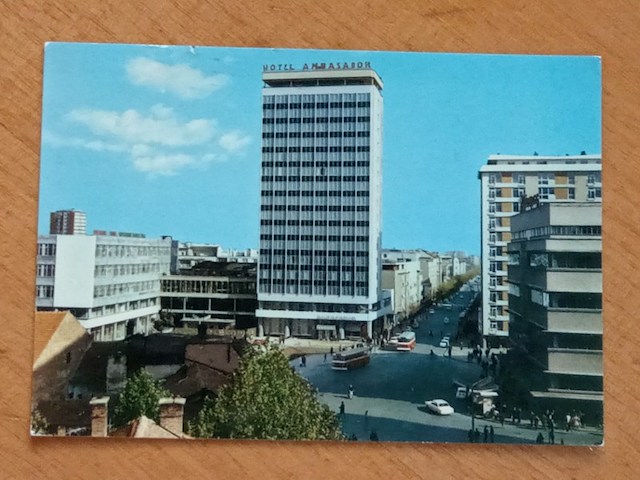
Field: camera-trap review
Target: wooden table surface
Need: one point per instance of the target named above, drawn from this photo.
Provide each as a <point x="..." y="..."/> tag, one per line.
<point x="607" y="28"/>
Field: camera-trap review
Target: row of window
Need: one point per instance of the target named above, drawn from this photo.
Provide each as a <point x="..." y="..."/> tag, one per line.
<point x="129" y="269"/>
<point x="298" y="105"/>
<point x="207" y="286"/>
<point x="315" y="290"/>
<point x="336" y="134"/>
<point x="544" y="178"/>
<point x="44" y="291"/>
<point x="326" y="268"/>
<point x="315" y="193"/>
<point x="317" y="238"/>
<point x="331" y="223"/>
<point x="315" y="253"/>
<point x="577" y="260"/>
<point x="122" y="307"/>
<point x="572" y="300"/>
<point x="131" y="251"/>
<point x="317" y="164"/>
<point x="309" y="120"/>
<point x="312" y="178"/>
<point x="47" y="249"/>
<point x="315" y="307"/>
<point x="330" y="208"/>
<point x="331" y="283"/>
<point x="126" y="288"/>
<point x="43" y="270"/>
<point x="575" y="230"/>
<point x="362" y="148"/>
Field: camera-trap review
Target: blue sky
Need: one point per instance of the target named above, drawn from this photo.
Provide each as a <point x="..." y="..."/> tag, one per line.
<point x="166" y="140"/>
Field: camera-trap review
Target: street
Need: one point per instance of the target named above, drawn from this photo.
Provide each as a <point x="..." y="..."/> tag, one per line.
<point x="390" y="392"/>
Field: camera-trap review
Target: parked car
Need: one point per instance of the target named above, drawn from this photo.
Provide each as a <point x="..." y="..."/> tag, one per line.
<point x="445" y="342"/>
<point x="439" y="407"/>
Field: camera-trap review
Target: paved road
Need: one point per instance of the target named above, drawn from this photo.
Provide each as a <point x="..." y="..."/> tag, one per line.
<point x="391" y="390"/>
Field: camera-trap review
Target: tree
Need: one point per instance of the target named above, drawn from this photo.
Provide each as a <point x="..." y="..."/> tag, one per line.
<point x="266" y="399"/>
<point x="139" y="397"/>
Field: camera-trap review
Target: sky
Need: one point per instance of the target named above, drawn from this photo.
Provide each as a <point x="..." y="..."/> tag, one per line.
<point x="166" y="140"/>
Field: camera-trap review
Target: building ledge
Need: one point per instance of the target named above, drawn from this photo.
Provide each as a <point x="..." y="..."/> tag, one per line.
<point x="570" y="395"/>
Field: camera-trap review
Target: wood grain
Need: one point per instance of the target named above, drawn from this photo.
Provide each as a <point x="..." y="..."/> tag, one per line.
<point x="609" y="29"/>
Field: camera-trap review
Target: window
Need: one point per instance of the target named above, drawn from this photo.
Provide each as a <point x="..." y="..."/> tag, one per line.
<point x="546" y="193"/>
<point x="514" y="258"/>
<point x="539" y="297"/>
<point x="594" y="193"/>
<point x="518" y="178"/>
<point x="594" y="177"/>
<point x="546" y="179"/>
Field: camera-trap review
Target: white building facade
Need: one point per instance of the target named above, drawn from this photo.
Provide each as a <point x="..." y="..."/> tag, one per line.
<point x="505" y="181"/>
<point x="319" y="272"/>
<point x="111" y="283"/>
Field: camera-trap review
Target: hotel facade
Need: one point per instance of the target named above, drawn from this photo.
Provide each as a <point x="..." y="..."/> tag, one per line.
<point x="319" y="273"/>
<point x="505" y="181"/>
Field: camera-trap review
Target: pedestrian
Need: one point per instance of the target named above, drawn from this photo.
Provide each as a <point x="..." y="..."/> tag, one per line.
<point x="568" y="419"/>
<point x="552" y="437"/>
<point x="519" y="415"/>
<point x="331" y="350"/>
<point x="470" y="435"/>
<point x="476" y="435"/>
<point x="342" y="408"/>
<point x="491" y="434"/>
<point x="430" y="333"/>
<point x="366" y="414"/>
<point x="536" y="422"/>
<point x="350" y="391"/>
<point x="540" y="439"/>
<point x="449" y="351"/>
<point x="502" y="415"/>
<point x="374" y="436"/>
<point x="325" y="357"/>
<point x="304" y="360"/>
<point x="485" y="435"/>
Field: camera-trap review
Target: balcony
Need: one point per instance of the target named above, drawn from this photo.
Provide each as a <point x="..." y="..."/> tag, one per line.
<point x="574" y="361"/>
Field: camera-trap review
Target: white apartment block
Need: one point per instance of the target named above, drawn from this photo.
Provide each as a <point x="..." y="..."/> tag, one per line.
<point x="405" y="279"/>
<point x="319" y="272"/>
<point x="111" y="283"/>
<point x="505" y="181"/>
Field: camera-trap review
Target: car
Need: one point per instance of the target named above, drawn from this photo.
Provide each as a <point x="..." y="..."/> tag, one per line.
<point x="444" y="342"/>
<point x="431" y="310"/>
<point x="439" y="407"/>
<point x="447" y="306"/>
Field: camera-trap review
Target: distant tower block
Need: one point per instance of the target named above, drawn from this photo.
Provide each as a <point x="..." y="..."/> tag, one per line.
<point x="68" y="222"/>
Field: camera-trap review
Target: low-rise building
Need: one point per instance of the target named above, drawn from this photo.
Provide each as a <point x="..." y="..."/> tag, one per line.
<point x="555" y="304"/>
<point x="212" y="294"/>
<point x="110" y="281"/>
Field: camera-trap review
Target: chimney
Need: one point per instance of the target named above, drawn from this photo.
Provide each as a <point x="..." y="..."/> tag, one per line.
<point x="99" y="416"/>
<point x="172" y="413"/>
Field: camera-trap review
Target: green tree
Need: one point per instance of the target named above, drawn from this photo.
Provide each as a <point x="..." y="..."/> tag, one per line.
<point x="266" y="400"/>
<point x="139" y="397"/>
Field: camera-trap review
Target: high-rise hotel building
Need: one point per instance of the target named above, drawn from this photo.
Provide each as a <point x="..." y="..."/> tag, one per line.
<point x="505" y="181"/>
<point x="319" y="271"/>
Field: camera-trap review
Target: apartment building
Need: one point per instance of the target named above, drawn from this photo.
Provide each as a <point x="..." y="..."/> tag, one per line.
<point x="505" y="181"/>
<point x="555" y="303"/>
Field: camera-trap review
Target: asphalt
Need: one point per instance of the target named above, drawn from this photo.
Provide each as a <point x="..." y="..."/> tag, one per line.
<point x="391" y="390"/>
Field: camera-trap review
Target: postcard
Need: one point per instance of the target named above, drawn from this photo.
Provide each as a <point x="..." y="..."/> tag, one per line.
<point x="360" y="246"/>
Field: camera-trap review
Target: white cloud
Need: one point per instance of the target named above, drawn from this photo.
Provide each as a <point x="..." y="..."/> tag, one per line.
<point x="234" y="141"/>
<point x="162" y="164"/>
<point x="159" y="127"/>
<point x="181" y="80"/>
<point x="50" y="138"/>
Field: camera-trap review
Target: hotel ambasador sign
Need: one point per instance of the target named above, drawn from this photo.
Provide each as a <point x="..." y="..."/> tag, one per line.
<point x="287" y="67"/>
